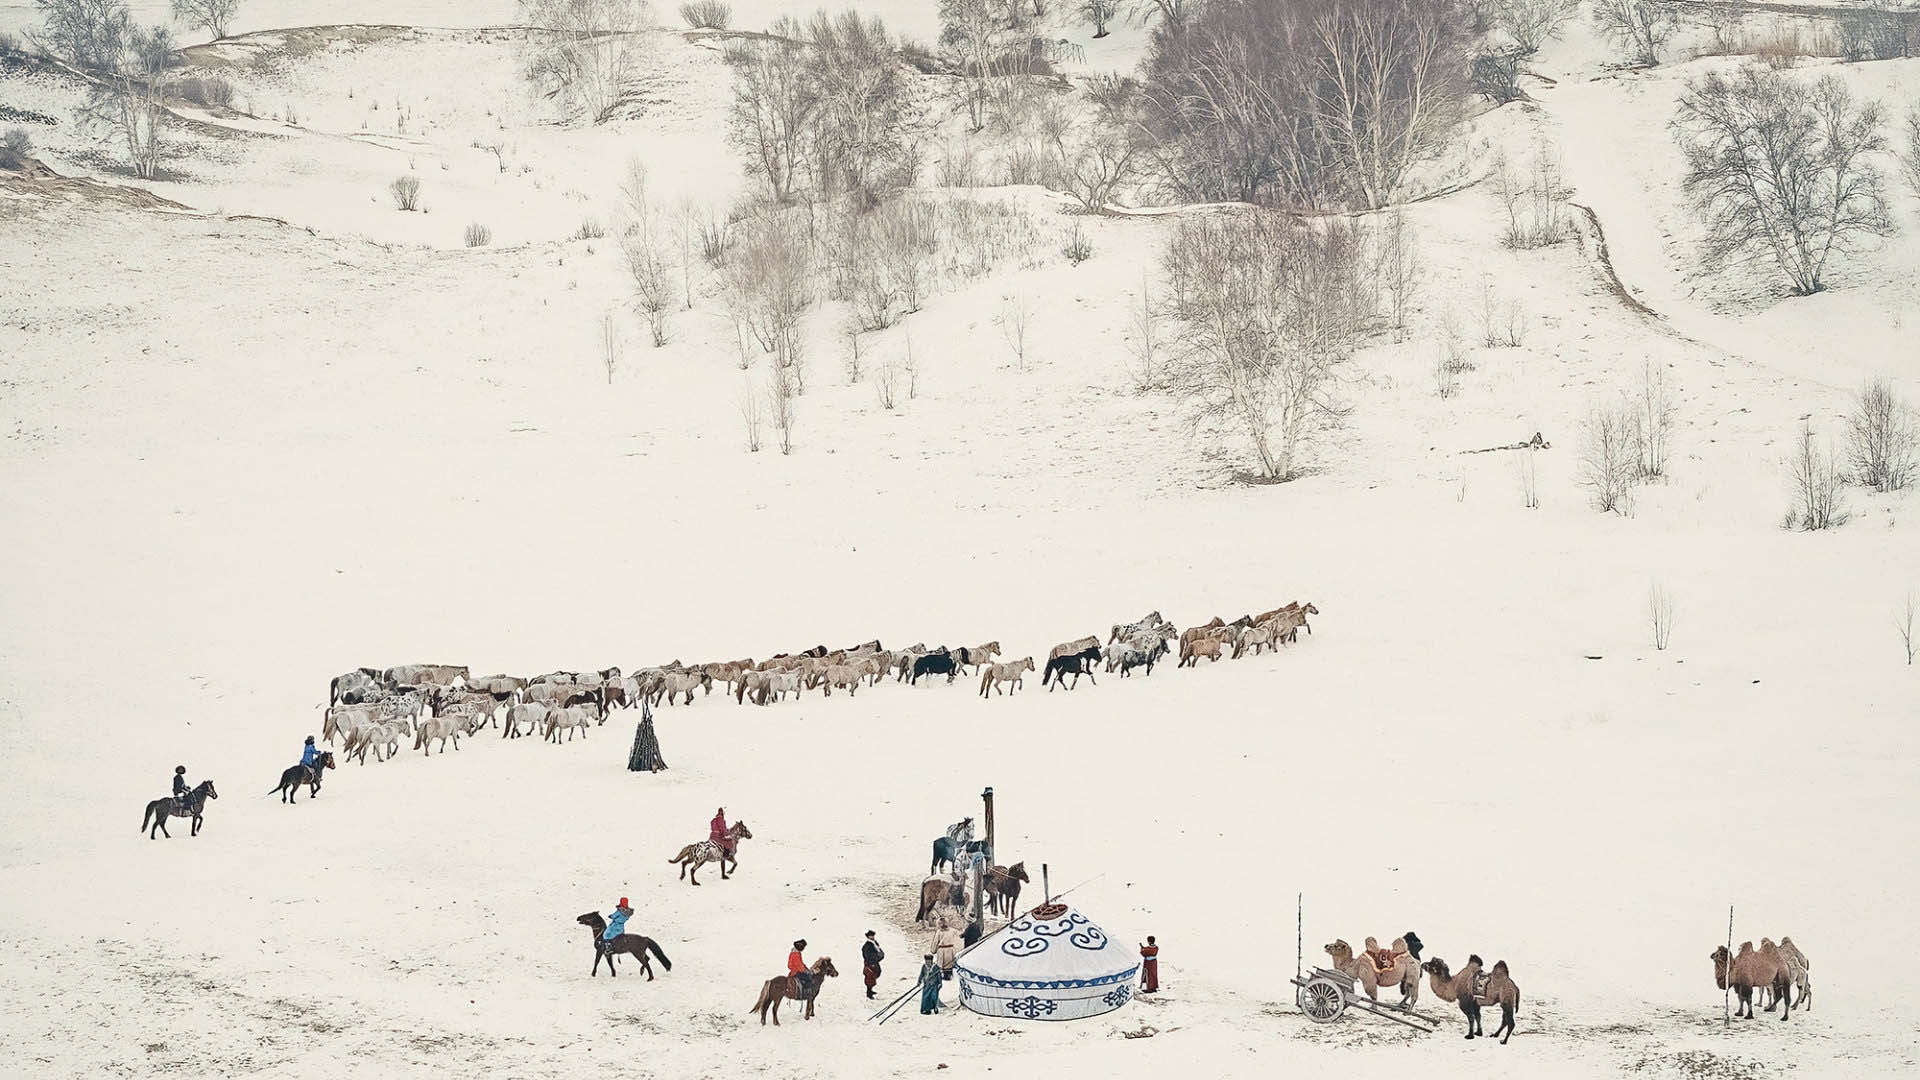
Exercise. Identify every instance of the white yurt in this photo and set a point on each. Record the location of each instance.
(1051, 964)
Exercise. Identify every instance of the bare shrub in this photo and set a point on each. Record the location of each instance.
(1660, 615)
(1446, 378)
(1503, 323)
(609, 344)
(911, 369)
(1453, 344)
(1878, 34)
(752, 416)
(1782, 169)
(1535, 196)
(884, 382)
(854, 354)
(582, 51)
(1640, 29)
(1530, 24)
(1078, 248)
(780, 395)
(707, 14)
(590, 229)
(959, 165)
(1903, 622)
(1495, 75)
(1653, 411)
(652, 276)
(1015, 320)
(209, 91)
(1781, 48)
(1815, 486)
(213, 16)
(406, 192)
(1607, 460)
(1271, 101)
(1883, 439)
(16, 146)
(769, 284)
(713, 229)
(1529, 479)
(478, 235)
(1267, 313)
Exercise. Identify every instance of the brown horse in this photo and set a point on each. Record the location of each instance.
(634, 945)
(938, 891)
(700, 853)
(1003, 887)
(159, 810)
(783, 988)
(309, 775)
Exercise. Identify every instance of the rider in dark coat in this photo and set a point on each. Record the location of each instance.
(180, 788)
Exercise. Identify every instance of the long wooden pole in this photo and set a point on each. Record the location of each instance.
(1299, 932)
(1726, 993)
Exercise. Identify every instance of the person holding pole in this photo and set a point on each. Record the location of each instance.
(945, 944)
(929, 986)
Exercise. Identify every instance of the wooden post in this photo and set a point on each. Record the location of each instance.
(1726, 996)
(987, 798)
(979, 890)
(1046, 890)
(1299, 938)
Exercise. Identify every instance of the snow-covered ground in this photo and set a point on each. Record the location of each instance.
(243, 456)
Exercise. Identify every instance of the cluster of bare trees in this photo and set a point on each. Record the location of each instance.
(213, 16)
(1782, 169)
(1640, 29)
(581, 52)
(129, 66)
(1627, 443)
(820, 108)
(1535, 196)
(1267, 312)
(996, 47)
(1883, 449)
(1308, 105)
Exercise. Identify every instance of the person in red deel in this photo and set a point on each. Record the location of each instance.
(797, 967)
(1149, 966)
(717, 831)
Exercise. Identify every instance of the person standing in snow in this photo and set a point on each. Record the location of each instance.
(1149, 966)
(616, 923)
(870, 956)
(945, 944)
(929, 987)
(797, 968)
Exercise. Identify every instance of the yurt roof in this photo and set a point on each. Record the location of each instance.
(1052, 947)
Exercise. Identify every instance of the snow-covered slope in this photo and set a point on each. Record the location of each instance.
(244, 456)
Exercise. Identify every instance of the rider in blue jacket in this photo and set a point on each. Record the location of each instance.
(617, 921)
(311, 752)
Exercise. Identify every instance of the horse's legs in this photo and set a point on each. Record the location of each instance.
(196, 825)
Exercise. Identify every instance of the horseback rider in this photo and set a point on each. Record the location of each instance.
(616, 923)
(797, 969)
(180, 789)
(309, 754)
(717, 832)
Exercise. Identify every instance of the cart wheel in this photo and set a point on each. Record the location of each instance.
(1322, 1000)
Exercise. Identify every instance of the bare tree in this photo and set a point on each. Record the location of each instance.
(1015, 317)
(780, 395)
(1391, 88)
(912, 370)
(884, 382)
(1639, 28)
(854, 353)
(752, 416)
(1883, 439)
(1266, 315)
(92, 35)
(609, 344)
(1530, 24)
(1144, 342)
(1496, 74)
(1910, 156)
(1782, 169)
(1904, 623)
(213, 16)
(771, 118)
(1529, 479)
(1535, 198)
(405, 191)
(707, 14)
(987, 40)
(582, 51)
(1660, 615)
(129, 63)
(1098, 13)
(861, 128)
(644, 248)
(1607, 460)
(1653, 411)
(769, 284)
(1816, 487)
(1398, 268)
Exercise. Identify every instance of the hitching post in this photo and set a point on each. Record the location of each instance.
(987, 798)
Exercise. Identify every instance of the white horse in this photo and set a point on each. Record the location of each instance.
(578, 716)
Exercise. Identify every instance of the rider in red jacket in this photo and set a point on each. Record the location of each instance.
(797, 967)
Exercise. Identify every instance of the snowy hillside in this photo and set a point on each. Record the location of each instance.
(287, 429)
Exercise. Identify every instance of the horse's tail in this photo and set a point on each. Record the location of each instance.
(654, 948)
(144, 818)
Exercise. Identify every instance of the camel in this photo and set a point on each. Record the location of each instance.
(1748, 970)
(1797, 967)
(1460, 989)
(1502, 991)
(781, 988)
(1402, 972)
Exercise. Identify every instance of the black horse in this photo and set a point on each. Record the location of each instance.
(309, 775)
(159, 810)
(1075, 664)
(943, 851)
(940, 663)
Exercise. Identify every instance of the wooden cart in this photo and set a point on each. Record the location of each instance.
(1325, 994)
